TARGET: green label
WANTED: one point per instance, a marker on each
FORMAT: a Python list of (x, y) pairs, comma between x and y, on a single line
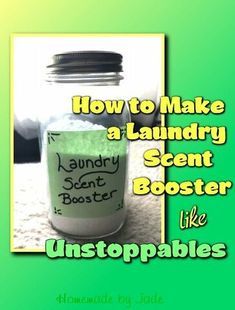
[(86, 173)]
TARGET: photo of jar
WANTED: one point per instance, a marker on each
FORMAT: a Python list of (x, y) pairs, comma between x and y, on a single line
[(70, 180)]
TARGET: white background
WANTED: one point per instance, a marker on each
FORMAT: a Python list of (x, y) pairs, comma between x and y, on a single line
[(142, 66)]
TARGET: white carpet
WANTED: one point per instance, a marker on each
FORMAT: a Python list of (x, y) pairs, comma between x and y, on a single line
[(31, 227)]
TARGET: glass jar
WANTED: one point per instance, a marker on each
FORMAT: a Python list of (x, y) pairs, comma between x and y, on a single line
[(86, 172)]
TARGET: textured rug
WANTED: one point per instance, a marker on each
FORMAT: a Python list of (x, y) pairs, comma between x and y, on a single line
[(30, 211)]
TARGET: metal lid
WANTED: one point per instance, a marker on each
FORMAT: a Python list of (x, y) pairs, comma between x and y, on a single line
[(86, 62)]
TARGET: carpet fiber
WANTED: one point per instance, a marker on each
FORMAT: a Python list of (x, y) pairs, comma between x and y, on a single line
[(30, 215)]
